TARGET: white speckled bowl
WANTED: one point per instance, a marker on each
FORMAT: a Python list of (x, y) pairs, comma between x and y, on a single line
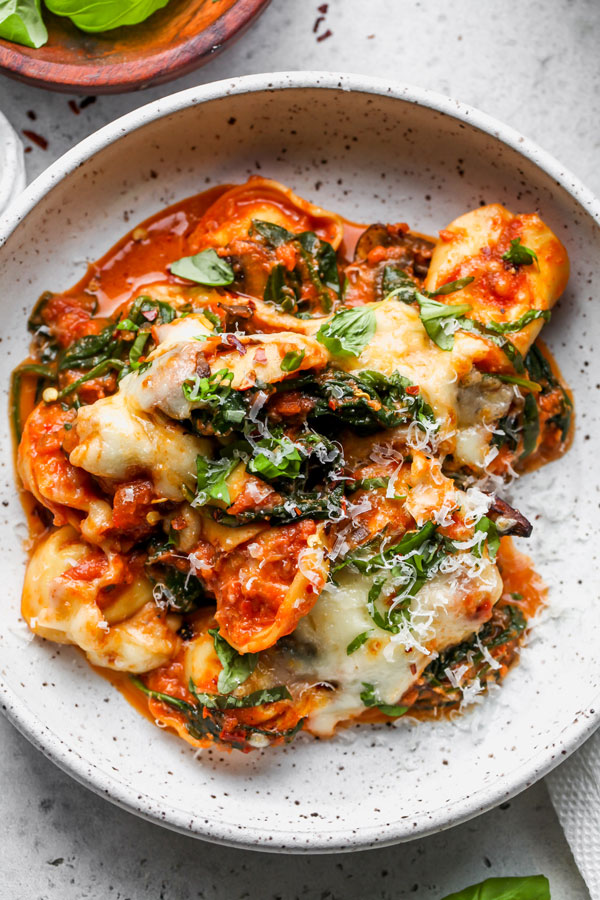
[(373, 152)]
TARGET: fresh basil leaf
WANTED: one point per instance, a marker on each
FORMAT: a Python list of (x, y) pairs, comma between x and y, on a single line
[(102, 15), (292, 360), (211, 480), (370, 698), (206, 267), (182, 591), (358, 641), (520, 381), (530, 316), (175, 702), (488, 528), (349, 331), (531, 426), (276, 457), (366, 484), (278, 291), (89, 350), (237, 667), (228, 701), (21, 22), (101, 369), (434, 315), (272, 234), (137, 349), (451, 287), (397, 283), (519, 255), (527, 887)]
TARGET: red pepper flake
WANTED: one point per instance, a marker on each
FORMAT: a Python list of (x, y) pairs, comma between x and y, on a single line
[(150, 314), (178, 523), (413, 669), (73, 107), (323, 8), (317, 23), (87, 101), (413, 390), (260, 357), (325, 34), (31, 115), (36, 138)]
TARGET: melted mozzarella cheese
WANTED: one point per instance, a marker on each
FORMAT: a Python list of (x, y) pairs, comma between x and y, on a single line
[(401, 344), (442, 614), (117, 440)]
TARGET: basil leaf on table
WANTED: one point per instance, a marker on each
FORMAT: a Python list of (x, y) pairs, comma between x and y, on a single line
[(206, 268), (21, 21), (528, 887), (102, 15), (237, 667), (349, 332)]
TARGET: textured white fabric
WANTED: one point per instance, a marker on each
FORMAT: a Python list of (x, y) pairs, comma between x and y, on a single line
[(12, 164), (575, 791)]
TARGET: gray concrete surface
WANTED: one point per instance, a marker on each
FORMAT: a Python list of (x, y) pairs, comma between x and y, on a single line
[(533, 65)]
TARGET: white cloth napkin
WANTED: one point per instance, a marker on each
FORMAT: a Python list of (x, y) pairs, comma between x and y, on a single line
[(12, 164), (575, 792)]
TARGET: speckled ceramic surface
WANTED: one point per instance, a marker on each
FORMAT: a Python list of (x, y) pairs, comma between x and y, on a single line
[(371, 152)]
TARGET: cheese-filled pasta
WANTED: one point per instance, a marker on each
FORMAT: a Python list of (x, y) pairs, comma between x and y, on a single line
[(267, 487)]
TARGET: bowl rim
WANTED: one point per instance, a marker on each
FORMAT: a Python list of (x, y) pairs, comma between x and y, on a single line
[(68, 758), (161, 66)]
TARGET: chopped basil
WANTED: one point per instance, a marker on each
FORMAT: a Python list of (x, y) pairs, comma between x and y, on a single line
[(228, 701), (530, 316), (531, 426), (405, 567), (358, 641), (276, 457), (451, 287), (317, 265), (520, 381), (211, 480), (367, 484), (349, 331), (292, 360), (488, 528), (237, 667), (370, 698), (395, 281), (527, 887), (278, 291), (519, 255), (206, 267), (182, 591)]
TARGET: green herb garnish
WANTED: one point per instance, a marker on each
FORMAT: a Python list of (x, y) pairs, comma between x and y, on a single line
[(349, 331), (358, 641), (370, 698), (519, 255), (292, 360), (237, 667), (206, 267)]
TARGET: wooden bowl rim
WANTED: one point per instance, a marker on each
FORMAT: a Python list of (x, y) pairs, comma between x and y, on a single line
[(160, 66)]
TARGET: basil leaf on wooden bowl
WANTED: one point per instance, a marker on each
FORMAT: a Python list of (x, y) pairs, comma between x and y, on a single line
[(529, 887), (21, 21), (206, 267), (102, 15)]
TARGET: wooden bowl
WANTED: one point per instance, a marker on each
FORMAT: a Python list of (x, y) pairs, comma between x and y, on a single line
[(182, 36)]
